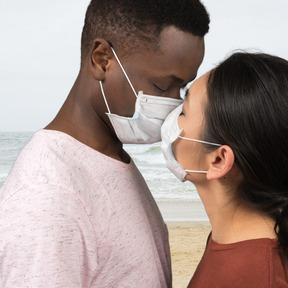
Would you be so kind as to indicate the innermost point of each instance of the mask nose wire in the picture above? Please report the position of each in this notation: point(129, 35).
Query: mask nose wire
point(124, 71)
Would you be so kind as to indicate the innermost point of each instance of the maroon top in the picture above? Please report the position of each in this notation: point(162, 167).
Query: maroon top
point(253, 263)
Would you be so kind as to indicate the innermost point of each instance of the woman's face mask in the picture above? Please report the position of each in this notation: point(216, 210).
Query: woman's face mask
point(170, 131)
point(145, 125)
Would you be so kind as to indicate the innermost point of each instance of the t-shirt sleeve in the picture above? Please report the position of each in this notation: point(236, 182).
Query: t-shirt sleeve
point(52, 243)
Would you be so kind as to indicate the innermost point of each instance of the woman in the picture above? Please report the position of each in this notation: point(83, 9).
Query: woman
point(230, 139)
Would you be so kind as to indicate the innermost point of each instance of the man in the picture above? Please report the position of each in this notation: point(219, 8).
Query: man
point(75, 211)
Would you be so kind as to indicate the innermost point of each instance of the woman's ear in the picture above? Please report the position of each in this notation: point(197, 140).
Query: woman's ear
point(221, 162)
point(100, 56)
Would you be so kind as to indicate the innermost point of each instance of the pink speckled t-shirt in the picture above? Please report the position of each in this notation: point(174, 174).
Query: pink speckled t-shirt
point(73, 217)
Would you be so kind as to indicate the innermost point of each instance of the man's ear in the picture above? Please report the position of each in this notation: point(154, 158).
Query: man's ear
point(100, 57)
point(221, 162)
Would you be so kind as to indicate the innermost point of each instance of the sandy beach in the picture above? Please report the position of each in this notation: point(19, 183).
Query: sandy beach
point(187, 243)
point(189, 228)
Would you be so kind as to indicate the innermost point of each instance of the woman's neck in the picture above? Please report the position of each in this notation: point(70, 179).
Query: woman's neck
point(232, 220)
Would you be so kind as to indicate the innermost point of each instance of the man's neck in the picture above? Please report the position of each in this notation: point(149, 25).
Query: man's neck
point(78, 118)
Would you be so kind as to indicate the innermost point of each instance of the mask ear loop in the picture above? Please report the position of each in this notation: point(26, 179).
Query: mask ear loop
point(124, 71)
point(104, 97)
point(200, 141)
point(203, 142)
point(196, 171)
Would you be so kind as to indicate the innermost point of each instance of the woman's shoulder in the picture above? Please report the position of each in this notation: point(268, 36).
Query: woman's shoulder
point(258, 262)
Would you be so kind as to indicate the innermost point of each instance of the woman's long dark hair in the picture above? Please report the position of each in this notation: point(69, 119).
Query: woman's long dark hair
point(248, 110)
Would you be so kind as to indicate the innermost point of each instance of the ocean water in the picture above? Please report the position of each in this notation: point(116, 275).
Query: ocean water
point(148, 158)
point(11, 143)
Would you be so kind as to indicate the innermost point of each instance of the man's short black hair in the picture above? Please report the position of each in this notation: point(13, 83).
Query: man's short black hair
point(130, 23)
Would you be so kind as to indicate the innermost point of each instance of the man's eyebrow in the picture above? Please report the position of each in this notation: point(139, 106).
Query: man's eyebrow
point(178, 80)
point(174, 78)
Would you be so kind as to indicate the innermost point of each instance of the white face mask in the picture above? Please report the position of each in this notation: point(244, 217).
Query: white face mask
point(145, 125)
point(170, 131)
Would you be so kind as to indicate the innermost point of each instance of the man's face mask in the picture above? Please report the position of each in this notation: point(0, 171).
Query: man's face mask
point(145, 125)
point(170, 132)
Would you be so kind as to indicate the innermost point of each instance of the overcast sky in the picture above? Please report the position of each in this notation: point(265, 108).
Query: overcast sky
point(40, 49)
